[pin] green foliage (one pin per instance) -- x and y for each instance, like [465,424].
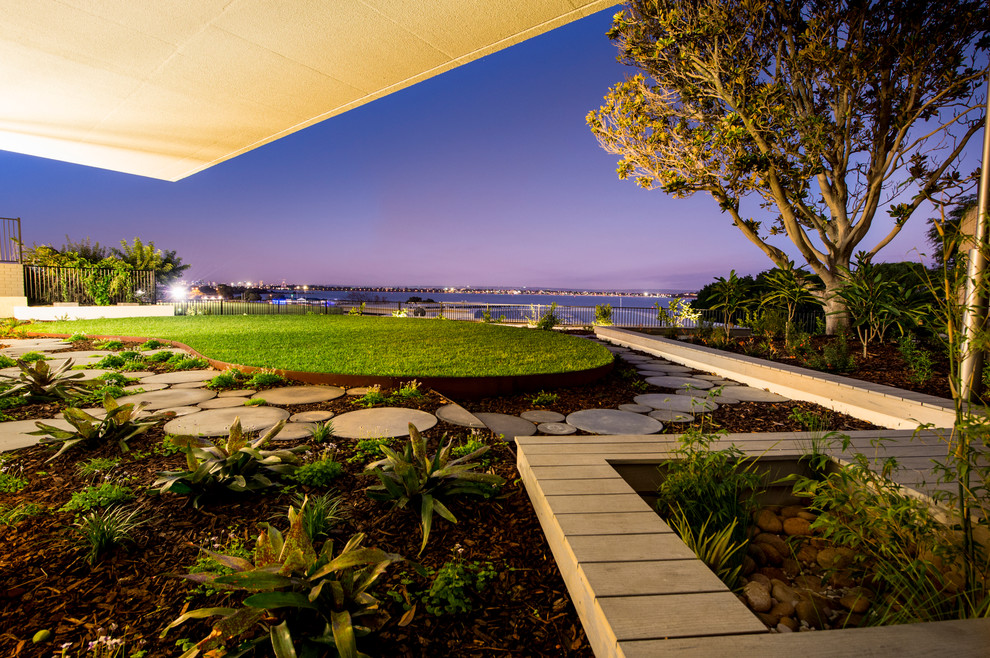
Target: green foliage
[40,382]
[110,362]
[265,379]
[115,379]
[549,320]
[120,424]
[159,357]
[233,547]
[372,398]
[102,530]
[152,344]
[96,467]
[10,483]
[255,402]
[32,357]
[719,547]
[98,496]
[322,432]
[366,450]
[921,366]
[409,391]
[455,585]
[181,361]
[77,337]
[835,356]
[11,516]
[320,514]
[236,465]
[471,446]
[603,315]
[791,288]
[6,361]
[357,310]
[231,378]
[412,478]
[766,322]
[544,399]
[130,355]
[319,473]
[113,345]
[167,266]
[305,601]
[731,295]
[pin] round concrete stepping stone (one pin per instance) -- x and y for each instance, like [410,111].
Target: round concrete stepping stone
[201,384]
[750,394]
[217,422]
[137,374]
[556,429]
[668,416]
[676,368]
[311,417]
[542,416]
[506,426]
[289,395]
[725,382]
[36,343]
[221,403]
[14,434]
[635,408]
[241,393]
[615,349]
[144,388]
[720,399]
[711,378]
[182,377]
[179,411]
[171,397]
[633,358]
[455,414]
[384,422]
[82,355]
[358,391]
[613,421]
[684,403]
[670,381]
[295,431]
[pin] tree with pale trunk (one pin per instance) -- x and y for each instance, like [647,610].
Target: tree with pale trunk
[835,115]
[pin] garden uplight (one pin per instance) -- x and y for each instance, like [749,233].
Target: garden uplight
[178,291]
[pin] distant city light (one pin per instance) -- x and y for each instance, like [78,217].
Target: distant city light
[177,291]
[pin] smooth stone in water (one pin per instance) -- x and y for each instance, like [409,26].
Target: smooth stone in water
[311,417]
[241,393]
[672,402]
[541,416]
[556,429]
[613,421]
[381,422]
[506,426]
[679,382]
[635,408]
[217,422]
[289,395]
[455,414]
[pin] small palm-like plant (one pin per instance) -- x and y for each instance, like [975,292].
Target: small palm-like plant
[307,602]
[237,464]
[39,381]
[121,423]
[414,478]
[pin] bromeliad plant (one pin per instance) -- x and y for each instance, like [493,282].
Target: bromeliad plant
[120,423]
[307,602]
[38,381]
[238,464]
[414,478]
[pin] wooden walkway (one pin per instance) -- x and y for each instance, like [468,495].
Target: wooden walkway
[641,592]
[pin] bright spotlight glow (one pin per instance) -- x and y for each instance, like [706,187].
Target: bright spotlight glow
[177,291]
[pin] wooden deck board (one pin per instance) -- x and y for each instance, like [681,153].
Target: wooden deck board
[678,615]
[688,576]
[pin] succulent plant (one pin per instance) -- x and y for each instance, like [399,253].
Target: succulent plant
[308,602]
[414,478]
[236,464]
[39,381]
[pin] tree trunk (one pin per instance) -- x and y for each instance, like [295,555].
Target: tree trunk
[836,315]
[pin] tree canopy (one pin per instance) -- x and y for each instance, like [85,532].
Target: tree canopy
[86,254]
[826,112]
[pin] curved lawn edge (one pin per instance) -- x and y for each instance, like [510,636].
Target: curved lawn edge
[453,387]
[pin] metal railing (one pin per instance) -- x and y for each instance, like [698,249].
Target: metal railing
[48,285]
[568,316]
[10,240]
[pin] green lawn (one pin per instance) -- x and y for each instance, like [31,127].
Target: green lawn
[350,345]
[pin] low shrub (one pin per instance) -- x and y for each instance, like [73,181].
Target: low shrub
[456,584]
[98,496]
[103,530]
[319,473]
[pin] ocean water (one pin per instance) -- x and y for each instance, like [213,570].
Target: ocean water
[617,301]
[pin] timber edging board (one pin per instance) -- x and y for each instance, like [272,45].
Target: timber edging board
[882,405]
[638,589]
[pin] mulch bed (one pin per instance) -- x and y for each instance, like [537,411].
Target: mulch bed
[132,593]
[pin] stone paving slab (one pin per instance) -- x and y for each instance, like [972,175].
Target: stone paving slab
[720,399]
[289,395]
[217,422]
[80,355]
[311,417]
[670,416]
[556,429]
[239,393]
[14,434]
[144,388]
[679,382]
[383,422]
[221,403]
[506,426]
[178,411]
[542,416]
[171,397]
[295,431]
[455,414]
[358,391]
[182,377]
[201,384]
[675,402]
[635,408]
[613,421]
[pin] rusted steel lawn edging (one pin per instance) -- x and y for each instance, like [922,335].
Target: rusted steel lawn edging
[454,387]
[882,405]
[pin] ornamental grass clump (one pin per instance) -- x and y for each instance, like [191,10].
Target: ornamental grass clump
[121,423]
[39,382]
[102,530]
[237,464]
[413,478]
[307,602]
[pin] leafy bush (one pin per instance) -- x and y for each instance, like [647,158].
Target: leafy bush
[373,397]
[97,496]
[322,432]
[544,399]
[77,337]
[366,450]
[96,466]
[320,473]
[721,549]
[409,391]
[159,357]
[181,361]
[471,446]
[835,356]
[39,382]
[115,379]
[921,366]
[228,379]
[103,530]
[255,402]
[6,361]
[120,424]
[550,319]
[320,600]
[414,478]
[33,357]
[152,345]
[320,514]
[265,379]
[10,483]
[113,345]
[455,584]
[237,465]
[603,315]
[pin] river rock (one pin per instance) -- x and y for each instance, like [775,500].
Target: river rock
[856,600]
[790,511]
[807,516]
[755,551]
[842,579]
[774,572]
[771,555]
[791,567]
[784,593]
[769,619]
[775,541]
[763,580]
[807,554]
[768,521]
[812,612]
[835,558]
[782,609]
[757,596]
[809,582]
[748,565]
[796,526]
[788,623]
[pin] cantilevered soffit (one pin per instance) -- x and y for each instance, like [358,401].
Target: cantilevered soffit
[167,88]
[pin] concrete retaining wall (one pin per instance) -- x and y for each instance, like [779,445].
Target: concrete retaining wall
[52,313]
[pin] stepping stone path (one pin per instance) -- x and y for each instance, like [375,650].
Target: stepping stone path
[217,422]
[613,421]
[14,434]
[675,369]
[668,416]
[455,414]
[698,395]
[178,411]
[170,397]
[311,417]
[295,431]
[556,429]
[750,394]
[289,395]
[542,416]
[676,402]
[222,403]
[241,393]
[358,391]
[182,377]
[201,384]
[635,408]
[381,422]
[145,388]
[506,426]
[679,382]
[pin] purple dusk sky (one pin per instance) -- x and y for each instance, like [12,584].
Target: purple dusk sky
[485,175]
